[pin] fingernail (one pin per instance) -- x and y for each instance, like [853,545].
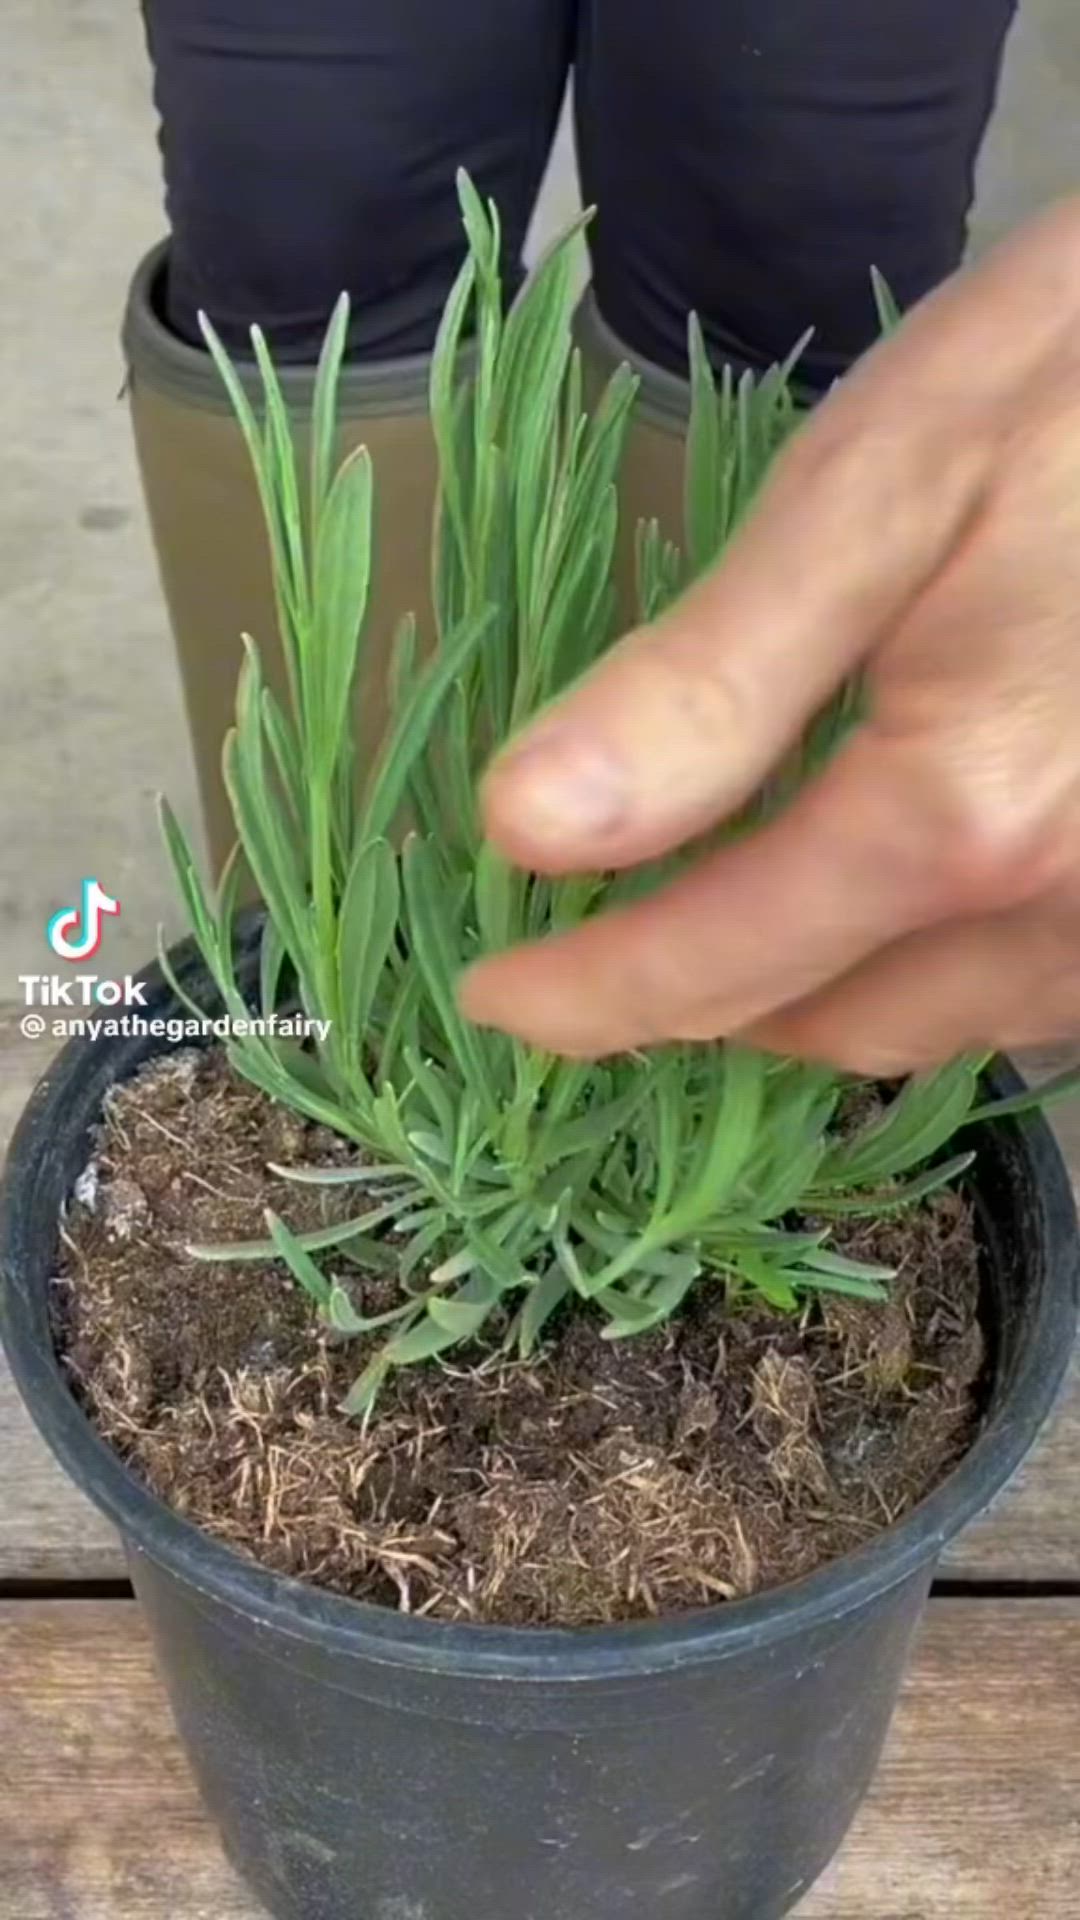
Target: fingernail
[561,785]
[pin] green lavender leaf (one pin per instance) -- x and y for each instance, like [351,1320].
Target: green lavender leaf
[298,1260]
[1061,1086]
[315,1241]
[342,576]
[406,742]
[367,924]
[888,312]
[889,1199]
[324,409]
[923,1116]
[703,455]
[546,1295]
[436,947]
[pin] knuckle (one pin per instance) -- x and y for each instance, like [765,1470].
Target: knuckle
[966,818]
[987,850]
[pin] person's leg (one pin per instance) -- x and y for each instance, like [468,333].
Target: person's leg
[311,145]
[752,159]
[310,148]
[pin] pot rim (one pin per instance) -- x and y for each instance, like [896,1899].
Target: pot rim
[37,1179]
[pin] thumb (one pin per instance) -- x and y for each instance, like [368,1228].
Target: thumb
[680,722]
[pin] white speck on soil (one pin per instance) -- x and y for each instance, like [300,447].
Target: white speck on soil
[86,1187]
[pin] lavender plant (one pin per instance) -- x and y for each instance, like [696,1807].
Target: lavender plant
[513,1181]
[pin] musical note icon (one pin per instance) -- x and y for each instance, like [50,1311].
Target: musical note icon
[75,932]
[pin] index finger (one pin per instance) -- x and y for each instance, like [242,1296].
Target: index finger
[746,931]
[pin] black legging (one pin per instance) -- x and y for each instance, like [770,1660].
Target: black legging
[750,158]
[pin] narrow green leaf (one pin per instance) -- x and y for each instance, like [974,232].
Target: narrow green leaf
[789,1180]
[402,1027]
[888,312]
[369,1254]
[313,1241]
[444,375]
[669,1292]
[362,1395]
[568,1261]
[344,1318]
[871,1290]
[337,1176]
[668,1133]
[494,887]
[494,1258]
[324,406]
[442,1095]
[408,737]
[841,1266]
[627,1315]
[537,331]
[1061,1086]
[271,962]
[169,974]
[225,904]
[460,1263]
[423,1342]
[342,576]
[257,809]
[920,1120]
[431,1146]
[730,1239]
[366,929]
[436,946]
[428,1228]
[772,1283]
[742,1095]
[464,1313]
[288,763]
[298,1260]
[281,454]
[888,1199]
[701,507]
[271,497]
[191,888]
[598,1126]
[543,1298]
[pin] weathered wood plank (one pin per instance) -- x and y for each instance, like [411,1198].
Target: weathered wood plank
[23,1059]
[976,1809]
[98,1816]
[48,1531]
[1032,1532]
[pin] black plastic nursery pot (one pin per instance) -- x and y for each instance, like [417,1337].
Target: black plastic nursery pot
[364,1765]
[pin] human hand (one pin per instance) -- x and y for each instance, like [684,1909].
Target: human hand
[922,896]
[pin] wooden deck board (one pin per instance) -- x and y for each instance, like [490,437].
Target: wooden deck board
[976,1809]
[49,1532]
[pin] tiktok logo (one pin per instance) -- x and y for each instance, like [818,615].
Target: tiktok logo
[75,932]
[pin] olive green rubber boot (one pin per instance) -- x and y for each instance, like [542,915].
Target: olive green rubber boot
[208,531]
